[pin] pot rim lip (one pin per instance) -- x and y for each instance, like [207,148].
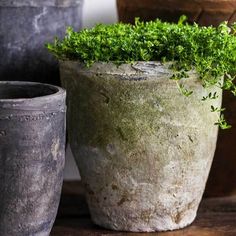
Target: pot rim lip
[59,91]
[138,68]
[115,62]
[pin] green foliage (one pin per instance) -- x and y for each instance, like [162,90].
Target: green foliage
[216,109]
[183,90]
[210,51]
[210,96]
[222,123]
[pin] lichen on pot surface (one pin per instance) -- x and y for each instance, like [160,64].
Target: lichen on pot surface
[143,148]
[143,161]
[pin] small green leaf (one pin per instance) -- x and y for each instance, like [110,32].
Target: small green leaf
[183,90]
[216,109]
[182,19]
[222,123]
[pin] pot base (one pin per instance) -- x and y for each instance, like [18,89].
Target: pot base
[157,224]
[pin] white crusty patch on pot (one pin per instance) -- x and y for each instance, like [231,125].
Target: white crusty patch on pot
[55,148]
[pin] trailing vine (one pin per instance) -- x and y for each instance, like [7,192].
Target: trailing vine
[210,51]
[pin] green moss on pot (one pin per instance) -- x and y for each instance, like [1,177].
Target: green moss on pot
[116,107]
[208,50]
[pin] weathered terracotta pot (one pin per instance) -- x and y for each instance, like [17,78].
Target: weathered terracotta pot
[143,149]
[32,156]
[25,27]
[205,12]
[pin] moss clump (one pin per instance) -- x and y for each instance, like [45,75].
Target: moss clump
[210,51]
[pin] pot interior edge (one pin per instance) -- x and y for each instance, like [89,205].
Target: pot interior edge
[18,90]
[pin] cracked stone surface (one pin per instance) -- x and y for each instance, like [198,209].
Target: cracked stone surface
[143,149]
[25,27]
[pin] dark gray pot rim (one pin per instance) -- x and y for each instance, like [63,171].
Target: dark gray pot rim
[51,92]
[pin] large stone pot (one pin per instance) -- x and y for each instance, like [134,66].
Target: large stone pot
[143,149]
[25,27]
[32,152]
[205,12]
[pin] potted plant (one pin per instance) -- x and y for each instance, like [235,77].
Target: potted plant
[205,12]
[32,156]
[144,104]
[25,25]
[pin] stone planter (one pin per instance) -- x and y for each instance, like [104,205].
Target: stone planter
[143,149]
[25,26]
[32,137]
[205,12]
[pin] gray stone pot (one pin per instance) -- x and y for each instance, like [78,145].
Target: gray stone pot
[25,27]
[32,153]
[143,149]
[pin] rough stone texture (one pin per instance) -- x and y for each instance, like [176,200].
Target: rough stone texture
[205,12]
[25,27]
[143,149]
[32,153]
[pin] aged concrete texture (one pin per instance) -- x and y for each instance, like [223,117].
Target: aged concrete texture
[32,152]
[25,27]
[144,150]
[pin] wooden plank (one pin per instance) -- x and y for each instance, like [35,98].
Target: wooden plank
[216,217]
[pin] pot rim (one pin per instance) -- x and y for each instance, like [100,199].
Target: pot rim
[135,68]
[58,91]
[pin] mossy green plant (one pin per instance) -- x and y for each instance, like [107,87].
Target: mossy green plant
[208,50]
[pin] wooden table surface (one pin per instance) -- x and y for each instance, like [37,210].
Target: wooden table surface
[216,217]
